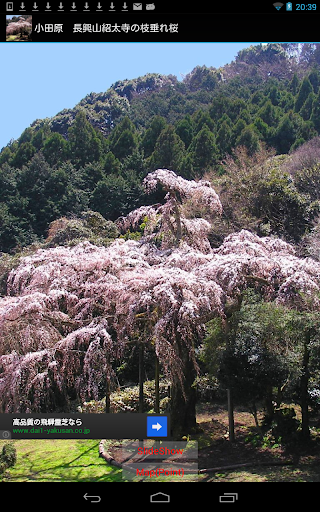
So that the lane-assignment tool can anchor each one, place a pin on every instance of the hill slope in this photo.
(95, 155)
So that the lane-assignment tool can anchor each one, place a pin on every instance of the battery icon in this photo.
(288, 6)
(228, 497)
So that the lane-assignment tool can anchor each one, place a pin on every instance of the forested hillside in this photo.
(93, 157)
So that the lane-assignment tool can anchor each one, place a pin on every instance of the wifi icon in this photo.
(278, 5)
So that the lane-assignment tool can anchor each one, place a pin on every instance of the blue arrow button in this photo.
(157, 426)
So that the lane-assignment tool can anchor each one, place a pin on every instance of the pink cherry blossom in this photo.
(70, 311)
(176, 219)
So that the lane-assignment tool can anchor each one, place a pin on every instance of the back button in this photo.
(92, 499)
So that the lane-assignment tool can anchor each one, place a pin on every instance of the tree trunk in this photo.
(254, 412)
(141, 377)
(269, 405)
(230, 416)
(183, 403)
(229, 391)
(183, 392)
(178, 224)
(107, 408)
(304, 381)
(279, 396)
(157, 395)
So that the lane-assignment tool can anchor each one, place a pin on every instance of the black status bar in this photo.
(18, 7)
(93, 6)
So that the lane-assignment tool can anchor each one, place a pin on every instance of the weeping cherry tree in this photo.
(70, 311)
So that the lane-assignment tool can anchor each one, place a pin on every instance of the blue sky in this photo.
(44, 78)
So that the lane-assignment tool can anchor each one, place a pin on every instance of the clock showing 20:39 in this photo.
(306, 7)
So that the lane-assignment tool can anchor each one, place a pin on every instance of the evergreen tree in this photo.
(26, 136)
(149, 140)
(5, 156)
(304, 91)
(249, 139)
(91, 174)
(41, 136)
(274, 95)
(268, 113)
(123, 139)
(12, 230)
(114, 195)
(108, 195)
(203, 149)
(56, 149)
(220, 106)
(237, 130)
(263, 129)
(184, 129)
(24, 154)
(294, 84)
(284, 135)
(111, 164)
(315, 115)
(85, 145)
(169, 151)
(306, 109)
(134, 162)
(314, 78)
(224, 138)
(201, 118)
(50, 193)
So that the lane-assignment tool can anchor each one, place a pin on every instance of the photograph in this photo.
(160, 256)
(19, 28)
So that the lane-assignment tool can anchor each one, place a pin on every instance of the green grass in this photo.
(17, 38)
(303, 473)
(55, 460)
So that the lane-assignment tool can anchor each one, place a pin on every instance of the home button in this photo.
(159, 497)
